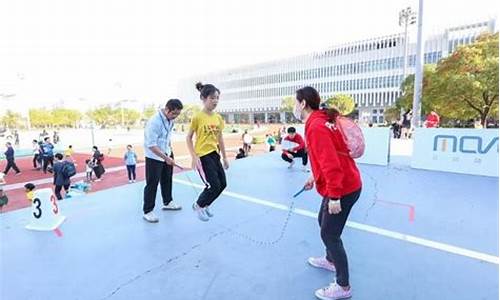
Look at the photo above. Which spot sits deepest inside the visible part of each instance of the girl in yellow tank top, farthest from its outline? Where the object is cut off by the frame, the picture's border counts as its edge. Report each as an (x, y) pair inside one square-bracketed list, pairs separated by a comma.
[(206, 152)]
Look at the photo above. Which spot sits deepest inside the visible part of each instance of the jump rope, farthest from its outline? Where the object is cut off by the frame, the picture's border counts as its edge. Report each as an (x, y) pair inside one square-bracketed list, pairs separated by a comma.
[(247, 237)]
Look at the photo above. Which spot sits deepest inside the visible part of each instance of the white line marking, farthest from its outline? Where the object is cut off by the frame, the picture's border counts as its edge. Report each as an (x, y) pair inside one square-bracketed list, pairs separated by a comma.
[(367, 228), (82, 174)]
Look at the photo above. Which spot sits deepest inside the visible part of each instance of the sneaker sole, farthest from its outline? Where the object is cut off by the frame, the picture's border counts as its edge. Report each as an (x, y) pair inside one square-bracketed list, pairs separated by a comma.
[(150, 221), (319, 267), (178, 208), (194, 209), (328, 298)]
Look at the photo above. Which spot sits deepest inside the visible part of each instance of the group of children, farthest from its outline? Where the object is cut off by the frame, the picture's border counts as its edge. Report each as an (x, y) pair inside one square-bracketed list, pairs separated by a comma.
[(63, 168)]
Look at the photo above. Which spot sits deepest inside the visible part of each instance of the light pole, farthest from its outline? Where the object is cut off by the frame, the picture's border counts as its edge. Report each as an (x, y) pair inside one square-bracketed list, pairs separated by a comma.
[(419, 68), (121, 108), (406, 17), (92, 132)]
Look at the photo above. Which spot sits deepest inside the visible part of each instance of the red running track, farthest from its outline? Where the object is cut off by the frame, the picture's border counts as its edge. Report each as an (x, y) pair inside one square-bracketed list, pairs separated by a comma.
[(28, 174), (112, 178)]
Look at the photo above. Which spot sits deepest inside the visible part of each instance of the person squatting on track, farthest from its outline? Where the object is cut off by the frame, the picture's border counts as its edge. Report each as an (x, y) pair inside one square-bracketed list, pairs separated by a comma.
[(299, 151), (208, 126), (337, 180), (160, 158)]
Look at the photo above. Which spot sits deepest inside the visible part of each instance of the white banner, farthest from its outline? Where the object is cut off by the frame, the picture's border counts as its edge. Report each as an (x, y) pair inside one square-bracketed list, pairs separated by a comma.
[(466, 151), (376, 146)]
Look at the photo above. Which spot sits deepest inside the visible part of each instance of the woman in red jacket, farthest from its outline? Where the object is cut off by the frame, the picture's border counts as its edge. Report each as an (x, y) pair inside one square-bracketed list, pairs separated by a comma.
[(337, 180)]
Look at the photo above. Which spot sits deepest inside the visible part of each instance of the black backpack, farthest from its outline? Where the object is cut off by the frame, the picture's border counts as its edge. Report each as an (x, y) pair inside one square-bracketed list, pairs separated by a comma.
[(68, 170)]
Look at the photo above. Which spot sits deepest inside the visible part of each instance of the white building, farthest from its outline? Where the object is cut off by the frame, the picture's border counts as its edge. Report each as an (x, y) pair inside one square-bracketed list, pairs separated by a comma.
[(371, 71)]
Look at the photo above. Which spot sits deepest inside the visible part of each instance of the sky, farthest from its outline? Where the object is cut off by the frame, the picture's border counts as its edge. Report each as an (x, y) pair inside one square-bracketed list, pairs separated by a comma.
[(86, 53)]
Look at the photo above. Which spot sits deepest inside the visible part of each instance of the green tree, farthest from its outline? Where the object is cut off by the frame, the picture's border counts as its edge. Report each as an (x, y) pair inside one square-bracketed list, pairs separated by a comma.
[(130, 116), (392, 113), (148, 112), (65, 117), (465, 84), (11, 119), (405, 102), (288, 104), (40, 117), (344, 103), (188, 112), (104, 116)]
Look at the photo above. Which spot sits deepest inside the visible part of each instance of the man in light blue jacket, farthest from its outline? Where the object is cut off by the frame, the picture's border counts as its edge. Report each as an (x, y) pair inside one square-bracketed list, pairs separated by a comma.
[(159, 158)]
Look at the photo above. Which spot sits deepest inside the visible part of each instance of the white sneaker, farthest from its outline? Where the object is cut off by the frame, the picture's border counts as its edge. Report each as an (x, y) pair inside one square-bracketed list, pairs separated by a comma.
[(171, 206), (291, 164), (201, 212), (133, 180), (321, 262), (130, 181), (208, 212), (333, 292), (305, 169), (150, 217)]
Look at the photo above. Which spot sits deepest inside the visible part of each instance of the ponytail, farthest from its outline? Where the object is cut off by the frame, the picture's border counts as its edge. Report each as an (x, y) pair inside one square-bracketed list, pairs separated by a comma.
[(313, 100), (332, 113)]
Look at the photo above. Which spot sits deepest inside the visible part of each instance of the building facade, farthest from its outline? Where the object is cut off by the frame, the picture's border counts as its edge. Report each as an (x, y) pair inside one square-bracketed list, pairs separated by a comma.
[(371, 71)]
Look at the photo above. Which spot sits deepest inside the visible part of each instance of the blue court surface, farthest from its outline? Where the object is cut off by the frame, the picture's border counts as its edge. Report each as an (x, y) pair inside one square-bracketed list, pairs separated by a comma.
[(413, 234)]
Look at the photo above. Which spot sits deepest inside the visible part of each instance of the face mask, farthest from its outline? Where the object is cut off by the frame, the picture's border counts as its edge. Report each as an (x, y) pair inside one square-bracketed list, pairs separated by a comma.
[(297, 112)]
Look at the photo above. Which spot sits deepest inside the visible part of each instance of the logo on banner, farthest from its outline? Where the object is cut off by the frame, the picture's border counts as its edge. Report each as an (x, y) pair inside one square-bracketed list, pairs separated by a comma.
[(465, 144)]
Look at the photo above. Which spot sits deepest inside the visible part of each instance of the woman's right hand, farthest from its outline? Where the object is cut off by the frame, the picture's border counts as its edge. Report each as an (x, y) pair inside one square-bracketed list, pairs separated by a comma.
[(309, 185)]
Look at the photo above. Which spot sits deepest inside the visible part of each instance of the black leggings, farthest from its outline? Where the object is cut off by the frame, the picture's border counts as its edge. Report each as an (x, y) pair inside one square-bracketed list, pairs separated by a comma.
[(215, 179), (47, 160), (131, 172), (35, 160), (58, 190), (301, 153), (332, 226), (11, 163)]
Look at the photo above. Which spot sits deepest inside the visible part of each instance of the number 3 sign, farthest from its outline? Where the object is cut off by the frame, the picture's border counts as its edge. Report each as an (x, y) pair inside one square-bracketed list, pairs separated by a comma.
[(45, 212)]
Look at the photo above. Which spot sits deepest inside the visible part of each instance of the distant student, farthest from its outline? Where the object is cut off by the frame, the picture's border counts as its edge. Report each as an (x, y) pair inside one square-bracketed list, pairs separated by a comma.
[(97, 158), (36, 155), (299, 151), (89, 167), (271, 142), (29, 189), (130, 159), (63, 170), (61, 177), (69, 152), (247, 142), (3, 197), (10, 157), (47, 154), (110, 141), (241, 154)]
